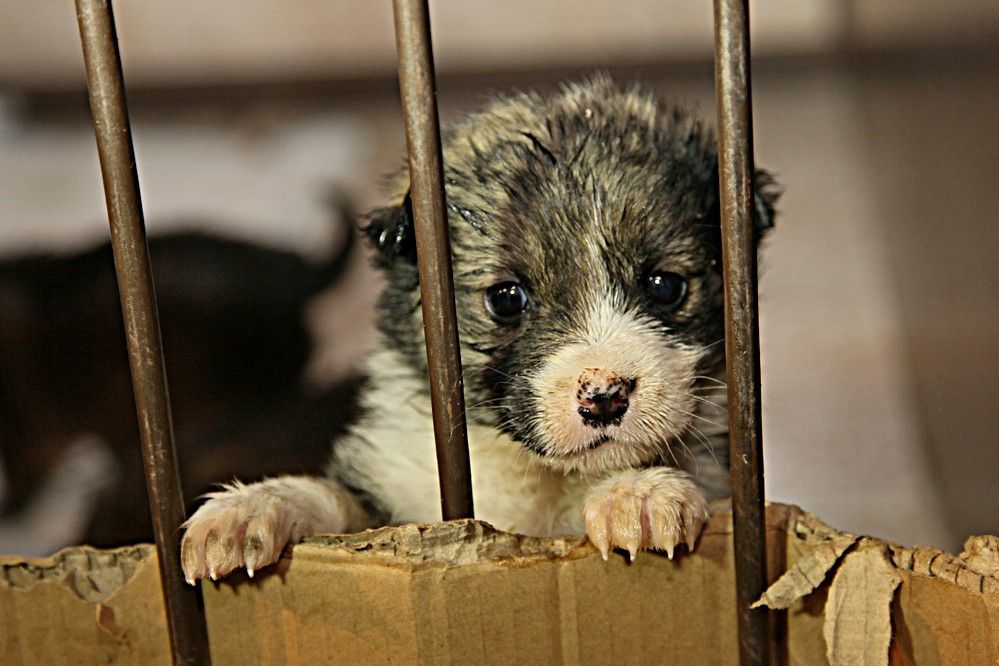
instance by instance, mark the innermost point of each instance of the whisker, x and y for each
(699, 417)
(664, 443)
(706, 401)
(706, 443)
(697, 465)
(489, 368)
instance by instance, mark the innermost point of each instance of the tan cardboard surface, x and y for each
(83, 606)
(462, 592)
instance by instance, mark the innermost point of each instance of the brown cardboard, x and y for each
(83, 605)
(462, 592)
(857, 627)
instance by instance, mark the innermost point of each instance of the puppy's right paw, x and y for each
(657, 507)
(236, 527)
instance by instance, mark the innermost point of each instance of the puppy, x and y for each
(586, 243)
(236, 348)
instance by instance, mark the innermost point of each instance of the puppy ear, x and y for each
(390, 231)
(766, 192)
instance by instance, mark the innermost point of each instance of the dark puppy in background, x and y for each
(236, 346)
(586, 243)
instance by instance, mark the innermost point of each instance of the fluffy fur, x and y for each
(578, 199)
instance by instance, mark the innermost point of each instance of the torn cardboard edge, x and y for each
(96, 573)
(862, 576)
(452, 543)
(468, 541)
(92, 574)
(976, 568)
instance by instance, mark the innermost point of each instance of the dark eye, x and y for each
(666, 289)
(506, 301)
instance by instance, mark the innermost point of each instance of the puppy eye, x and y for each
(506, 301)
(666, 289)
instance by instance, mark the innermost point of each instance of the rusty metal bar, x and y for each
(433, 251)
(742, 339)
(185, 620)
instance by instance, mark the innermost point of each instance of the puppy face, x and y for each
(586, 247)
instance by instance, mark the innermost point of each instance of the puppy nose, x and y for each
(603, 397)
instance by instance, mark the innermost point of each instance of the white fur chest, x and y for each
(390, 454)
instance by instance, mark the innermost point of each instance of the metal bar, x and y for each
(185, 620)
(433, 251)
(742, 339)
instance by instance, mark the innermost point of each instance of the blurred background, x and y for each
(260, 122)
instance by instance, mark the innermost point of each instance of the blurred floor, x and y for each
(879, 288)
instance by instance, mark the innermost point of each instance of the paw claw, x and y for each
(594, 514)
(656, 508)
(215, 541)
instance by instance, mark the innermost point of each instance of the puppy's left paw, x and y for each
(648, 508)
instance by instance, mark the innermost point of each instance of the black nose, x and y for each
(603, 408)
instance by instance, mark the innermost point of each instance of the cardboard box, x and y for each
(462, 592)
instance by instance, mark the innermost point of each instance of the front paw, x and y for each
(234, 528)
(649, 508)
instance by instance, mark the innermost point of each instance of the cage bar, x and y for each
(105, 84)
(433, 251)
(742, 339)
